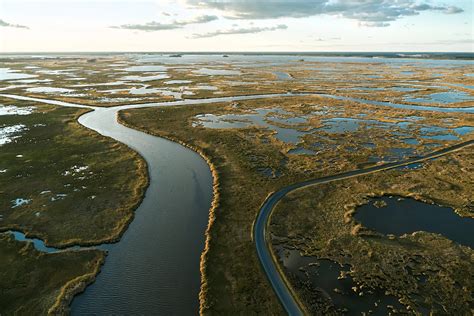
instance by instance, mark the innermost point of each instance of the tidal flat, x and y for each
(69, 186)
(121, 79)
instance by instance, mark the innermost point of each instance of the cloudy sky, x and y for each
(236, 25)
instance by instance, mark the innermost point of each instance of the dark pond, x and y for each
(406, 216)
(325, 276)
(301, 151)
(282, 75)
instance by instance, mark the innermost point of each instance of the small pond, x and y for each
(10, 74)
(301, 151)
(145, 68)
(177, 81)
(217, 72)
(443, 97)
(282, 75)
(405, 216)
(325, 275)
(49, 90)
(261, 118)
(146, 78)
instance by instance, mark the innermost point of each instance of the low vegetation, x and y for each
(64, 183)
(425, 271)
(36, 283)
(68, 185)
(251, 162)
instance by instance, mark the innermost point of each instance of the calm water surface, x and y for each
(408, 215)
(154, 269)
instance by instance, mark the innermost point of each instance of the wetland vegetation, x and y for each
(422, 268)
(34, 283)
(249, 144)
(70, 186)
(59, 180)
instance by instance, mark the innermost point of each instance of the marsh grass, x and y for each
(35, 283)
(232, 280)
(82, 187)
(425, 271)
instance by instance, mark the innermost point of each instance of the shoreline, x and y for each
(71, 289)
(74, 287)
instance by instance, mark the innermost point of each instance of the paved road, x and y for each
(260, 227)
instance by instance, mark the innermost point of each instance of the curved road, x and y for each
(279, 283)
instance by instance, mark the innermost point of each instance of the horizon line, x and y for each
(237, 52)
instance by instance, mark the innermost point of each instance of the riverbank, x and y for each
(75, 287)
(214, 263)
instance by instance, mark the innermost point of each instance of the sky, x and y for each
(236, 25)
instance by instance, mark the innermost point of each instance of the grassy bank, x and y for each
(35, 283)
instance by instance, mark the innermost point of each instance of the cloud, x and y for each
(374, 24)
(6, 24)
(157, 26)
(327, 39)
(249, 30)
(452, 10)
(369, 12)
(444, 9)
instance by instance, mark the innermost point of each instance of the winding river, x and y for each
(154, 269)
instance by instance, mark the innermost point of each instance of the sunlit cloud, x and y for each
(248, 30)
(157, 26)
(18, 26)
(376, 13)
